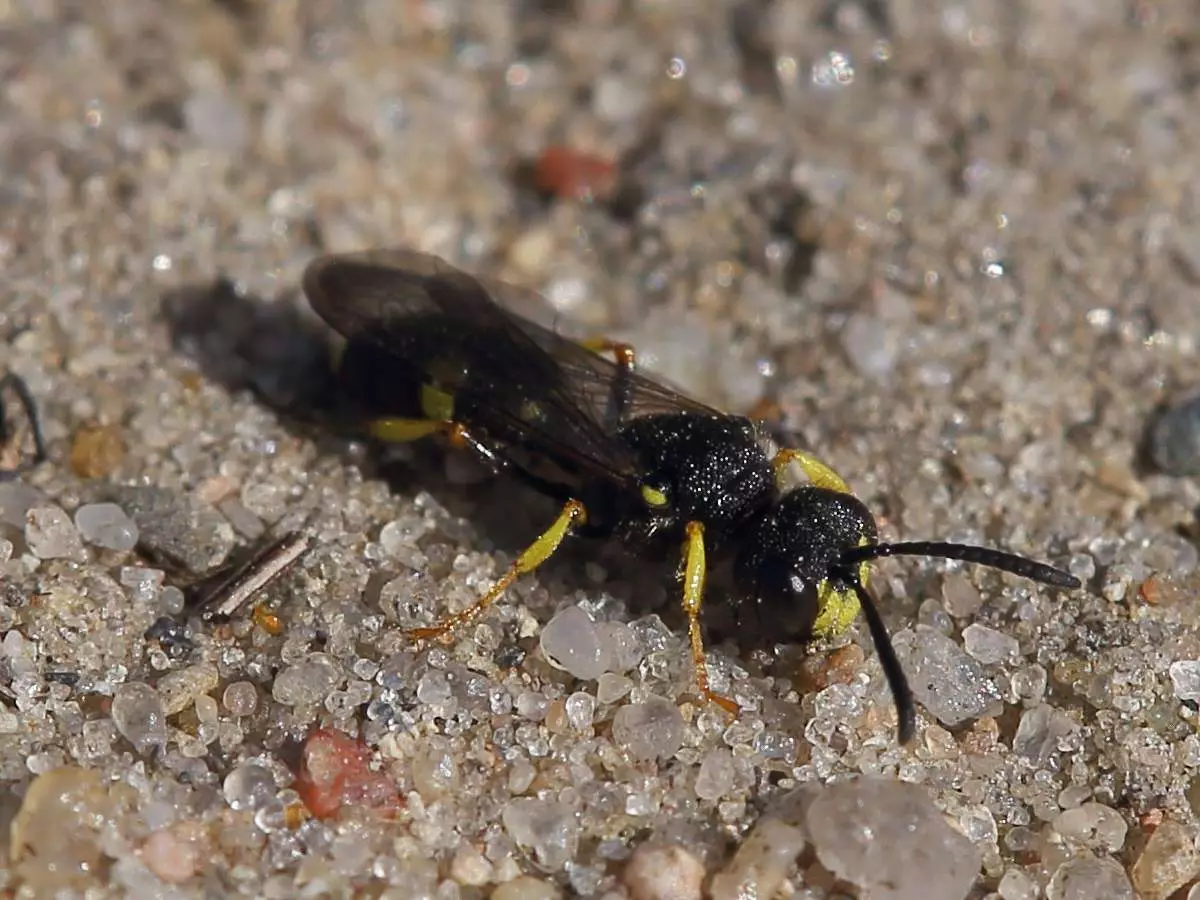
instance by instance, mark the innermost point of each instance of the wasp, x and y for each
(431, 350)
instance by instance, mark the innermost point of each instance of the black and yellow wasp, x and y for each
(432, 350)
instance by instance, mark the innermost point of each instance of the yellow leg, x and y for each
(537, 553)
(818, 473)
(402, 431)
(695, 570)
(438, 407)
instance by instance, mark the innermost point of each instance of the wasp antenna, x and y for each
(906, 711)
(984, 556)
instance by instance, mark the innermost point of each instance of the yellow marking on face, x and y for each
(837, 608)
(653, 497)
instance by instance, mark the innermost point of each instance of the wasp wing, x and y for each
(519, 381)
(589, 375)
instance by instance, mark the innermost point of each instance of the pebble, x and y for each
(16, 499)
(470, 867)
(216, 120)
(50, 534)
(52, 837)
(240, 698)
(105, 525)
(434, 772)
(951, 685)
(530, 251)
(1040, 731)
(990, 646)
(574, 175)
(871, 345)
(170, 526)
(1185, 678)
(580, 708)
(335, 771)
(96, 451)
(180, 688)
(141, 584)
(19, 652)
(434, 688)
(1173, 439)
(139, 715)
(306, 683)
(172, 854)
(398, 538)
(1089, 878)
(888, 838)
(716, 776)
(617, 98)
(1017, 884)
(1093, 825)
(1169, 861)
(761, 863)
(624, 647)
(571, 642)
(526, 887)
(649, 730)
(663, 873)
(546, 827)
(611, 687)
(249, 786)
(960, 598)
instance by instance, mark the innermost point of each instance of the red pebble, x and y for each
(572, 175)
(335, 770)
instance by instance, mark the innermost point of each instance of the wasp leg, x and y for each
(397, 431)
(534, 555)
(695, 570)
(622, 388)
(403, 431)
(818, 473)
(12, 381)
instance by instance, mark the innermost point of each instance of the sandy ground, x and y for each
(958, 245)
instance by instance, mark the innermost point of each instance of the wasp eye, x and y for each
(654, 497)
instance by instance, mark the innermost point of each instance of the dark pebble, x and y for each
(1173, 441)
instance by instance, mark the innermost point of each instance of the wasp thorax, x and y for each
(710, 468)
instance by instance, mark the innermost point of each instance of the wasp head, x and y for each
(791, 564)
